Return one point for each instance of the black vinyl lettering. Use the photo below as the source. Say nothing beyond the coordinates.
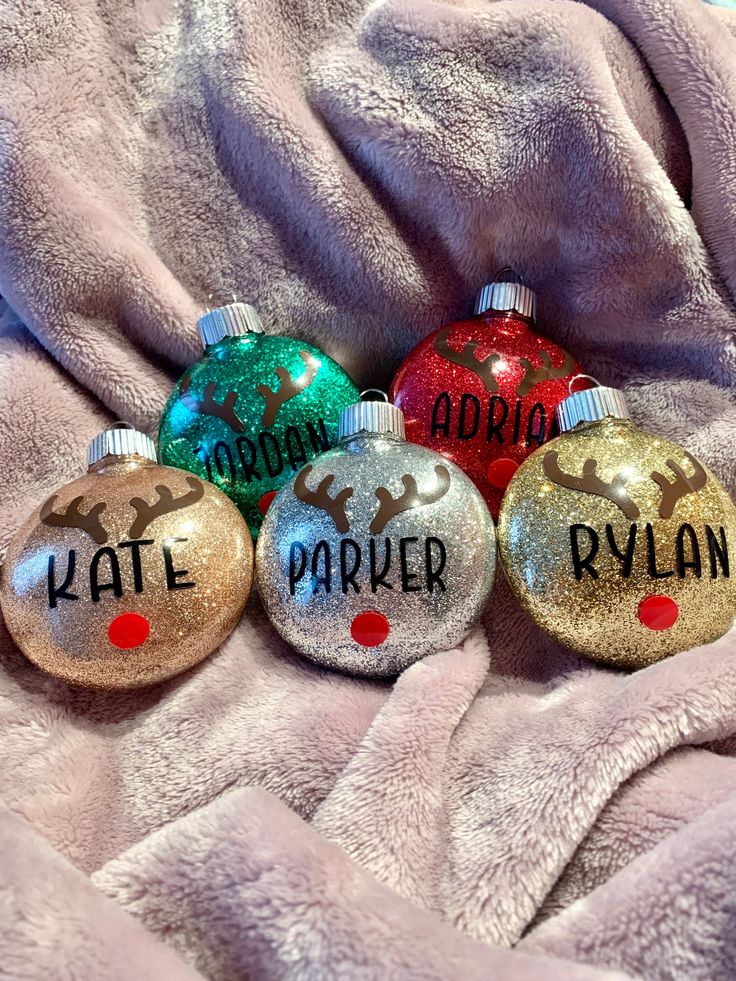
(295, 575)
(495, 426)
(294, 448)
(406, 576)
(434, 574)
(680, 561)
(321, 548)
(717, 552)
(61, 592)
(441, 415)
(654, 572)
(174, 575)
(115, 583)
(517, 421)
(465, 401)
(135, 559)
(274, 467)
(536, 425)
(379, 578)
(201, 451)
(228, 471)
(582, 565)
(248, 464)
(626, 558)
(347, 576)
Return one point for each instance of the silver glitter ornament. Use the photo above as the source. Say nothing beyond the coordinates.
(378, 552)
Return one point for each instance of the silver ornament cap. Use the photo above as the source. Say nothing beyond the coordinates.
(591, 405)
(121, 439)
(372, 416)
(231, 320)
(506, 296)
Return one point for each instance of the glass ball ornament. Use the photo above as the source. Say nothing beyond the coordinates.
(483, 391)
(617, 542)
(377, 553)
(129, 574)
(253, 410)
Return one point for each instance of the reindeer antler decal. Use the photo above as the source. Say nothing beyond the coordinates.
(288, 387)
(72, 517)
(680, 487)
(165, 504)
(389, 506)
(466, 358)
(591, 483)
(320, 498)
(533, 376)
(207, 406)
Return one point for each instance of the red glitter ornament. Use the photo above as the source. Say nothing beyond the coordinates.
(483, 391)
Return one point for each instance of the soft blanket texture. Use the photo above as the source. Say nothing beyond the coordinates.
(357, 170)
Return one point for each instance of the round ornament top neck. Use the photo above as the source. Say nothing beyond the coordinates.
(371, 417)
(591, 405)
(120, 442)
(234, 319)
(504, 296)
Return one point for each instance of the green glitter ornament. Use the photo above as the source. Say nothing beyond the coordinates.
(253, 410)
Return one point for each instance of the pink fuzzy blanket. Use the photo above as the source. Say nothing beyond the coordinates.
(504, 810)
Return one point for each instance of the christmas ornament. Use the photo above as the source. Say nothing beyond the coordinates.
(377, 553)
(128, 575)
(253, 410)
(483, 391)
(618, 543)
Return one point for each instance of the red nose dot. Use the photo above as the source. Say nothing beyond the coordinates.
(501, 471)
(264, 501)
(370, 628)
(658, 612)
(128, 630)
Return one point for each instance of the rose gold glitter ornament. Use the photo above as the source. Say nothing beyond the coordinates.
(128, 575)
(617, 542)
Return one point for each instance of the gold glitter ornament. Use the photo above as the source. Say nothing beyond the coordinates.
(617, 542)
(128, 575)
